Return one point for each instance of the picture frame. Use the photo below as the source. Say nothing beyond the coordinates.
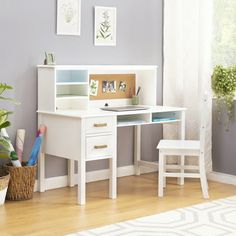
(49, 58)
(104, 26)
(68, 17)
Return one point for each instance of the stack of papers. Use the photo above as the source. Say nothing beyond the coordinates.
(161, 119)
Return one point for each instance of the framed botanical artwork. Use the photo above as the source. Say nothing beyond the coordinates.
(68, 17)
(105, 26)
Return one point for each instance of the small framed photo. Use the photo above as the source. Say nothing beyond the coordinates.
(49, 59)
(68, 17)
(105, 26)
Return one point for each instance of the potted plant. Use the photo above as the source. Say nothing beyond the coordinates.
(224, 87)
(5, 143)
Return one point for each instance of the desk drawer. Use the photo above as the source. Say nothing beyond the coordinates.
(100, 146)
(99, 125)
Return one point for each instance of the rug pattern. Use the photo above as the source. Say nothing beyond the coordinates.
(216, 218)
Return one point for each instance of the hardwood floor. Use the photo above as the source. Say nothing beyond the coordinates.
(55, 212)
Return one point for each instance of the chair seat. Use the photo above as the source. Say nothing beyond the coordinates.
(179, 144)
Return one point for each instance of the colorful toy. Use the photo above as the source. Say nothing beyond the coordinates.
(37, 145)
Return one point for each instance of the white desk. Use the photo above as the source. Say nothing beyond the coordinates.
(87, 135)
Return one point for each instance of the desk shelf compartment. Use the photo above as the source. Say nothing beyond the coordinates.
(165, 117)
(67, 102)
(74, 90)
(71, 89)
(72, 96)
(71, 76)
(133, 119)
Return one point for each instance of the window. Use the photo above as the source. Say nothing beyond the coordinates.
(224, 32)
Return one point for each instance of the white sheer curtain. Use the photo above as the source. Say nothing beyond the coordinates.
(187, 63)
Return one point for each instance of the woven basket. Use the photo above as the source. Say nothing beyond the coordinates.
(4, 179)
(21, 184)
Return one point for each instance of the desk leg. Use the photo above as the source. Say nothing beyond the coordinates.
(137, 148)
(41, 172)
(182, 157)
(113, 178)
(82, 168)
(41, 161)
(113, 167)
(71, 170)
(81, 182)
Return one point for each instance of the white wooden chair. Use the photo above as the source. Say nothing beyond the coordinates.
(184, 148)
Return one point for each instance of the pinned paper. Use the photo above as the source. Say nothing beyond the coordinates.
(94, 87)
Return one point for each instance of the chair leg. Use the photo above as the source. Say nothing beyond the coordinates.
(164, 171)
(160, 179)
(180, 180)
(203, 178)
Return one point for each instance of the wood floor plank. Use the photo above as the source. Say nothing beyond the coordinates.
(55, 212)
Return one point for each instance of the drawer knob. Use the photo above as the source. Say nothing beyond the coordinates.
(100, 125)
(100, 146)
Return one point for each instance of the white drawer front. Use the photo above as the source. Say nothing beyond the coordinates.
(99, 125)
(100, 146)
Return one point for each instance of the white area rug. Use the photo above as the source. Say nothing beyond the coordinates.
(208, 219)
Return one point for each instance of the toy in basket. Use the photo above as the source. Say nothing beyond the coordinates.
(21, 184)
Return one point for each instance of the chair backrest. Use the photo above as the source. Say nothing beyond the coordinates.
(203, 122)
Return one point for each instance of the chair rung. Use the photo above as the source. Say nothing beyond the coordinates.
(170, 167)
(185, 175)
(186, 167)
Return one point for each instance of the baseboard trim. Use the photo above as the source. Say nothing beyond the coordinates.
(222, 178)
(92, 176)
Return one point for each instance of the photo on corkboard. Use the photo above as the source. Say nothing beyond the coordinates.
(122, 86)
(109, 86)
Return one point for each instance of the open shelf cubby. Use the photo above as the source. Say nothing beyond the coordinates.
(72, 90)
(166, 117)
(71, 76)
(133, 119)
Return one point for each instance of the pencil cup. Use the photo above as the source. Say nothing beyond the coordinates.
(135, 100)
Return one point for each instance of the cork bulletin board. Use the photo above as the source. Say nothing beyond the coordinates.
(111, 86)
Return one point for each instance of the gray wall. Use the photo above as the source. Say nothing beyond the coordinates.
(28, 29)
(223, 144)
